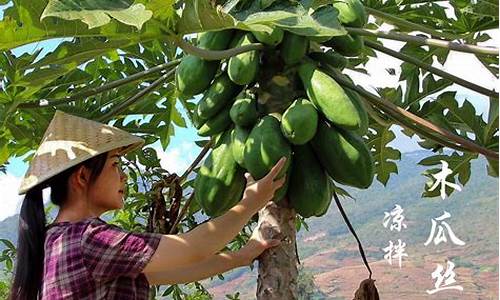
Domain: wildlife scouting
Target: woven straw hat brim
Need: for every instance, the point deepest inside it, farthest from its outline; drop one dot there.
(70, 140)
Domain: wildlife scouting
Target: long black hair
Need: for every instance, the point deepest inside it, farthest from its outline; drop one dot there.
(28, 274)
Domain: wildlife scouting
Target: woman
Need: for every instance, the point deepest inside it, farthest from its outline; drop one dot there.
(80, 256)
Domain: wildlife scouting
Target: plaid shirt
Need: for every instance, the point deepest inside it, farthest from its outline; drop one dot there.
(92, 259)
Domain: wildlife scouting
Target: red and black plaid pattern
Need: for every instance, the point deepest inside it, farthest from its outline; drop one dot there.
(92, 259)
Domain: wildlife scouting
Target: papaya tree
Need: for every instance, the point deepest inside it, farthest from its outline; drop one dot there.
(257, 80)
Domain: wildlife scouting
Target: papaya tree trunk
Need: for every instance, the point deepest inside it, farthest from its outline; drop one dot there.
(278, 266)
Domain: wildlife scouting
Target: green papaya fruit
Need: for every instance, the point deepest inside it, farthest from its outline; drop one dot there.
(197, 121)
(329, 97)
(193, 75)
(216, 124)
(220, 182)
(299, 122)
(215, 40)
(244, 111)
(271, 39)
(351, 12)
(243, 68)
(283, 190)
(323, 209)
(329, 58)
(218, 95)
(356, 100)
(348, 45)
(309, 190)
(264, 146)
(239, 136)
(320, 39)
(293, 48)
(343, 155)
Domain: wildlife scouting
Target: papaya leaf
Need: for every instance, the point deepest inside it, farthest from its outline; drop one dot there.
(98, 13)
(394, 95)
(201, 143)
(163, 10)
(492, 127)
(429, 86)
(463, 118)
(432, 15)
(490, 63)
(322, 22)
(484, 8)
(266, 3)
(21, 25)
(409, 72)
(43, 76)
(459, 164)
(4, 152)
(59, 88)
(340, 191)
(200, 15)
(8, 244)
(177, 118)
(492, 167)
(384, 155)
(436, 192)
(81, 50)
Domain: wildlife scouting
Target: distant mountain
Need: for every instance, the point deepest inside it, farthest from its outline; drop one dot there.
(8, 229)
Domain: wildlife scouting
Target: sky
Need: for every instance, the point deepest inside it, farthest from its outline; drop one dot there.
(182, 150)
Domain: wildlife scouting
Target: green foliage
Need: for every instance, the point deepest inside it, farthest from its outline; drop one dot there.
(192, 291)
(98, 13)
(22, 24)
(7, 255)
(383, 155)
(306, 289)
(4, 290)
(200, 15)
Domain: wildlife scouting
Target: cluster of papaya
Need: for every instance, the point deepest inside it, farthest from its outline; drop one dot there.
(320, 133)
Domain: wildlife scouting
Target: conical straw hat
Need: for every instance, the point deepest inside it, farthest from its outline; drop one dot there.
(70, 140)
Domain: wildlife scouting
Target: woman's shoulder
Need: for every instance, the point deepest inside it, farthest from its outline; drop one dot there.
(81, 223)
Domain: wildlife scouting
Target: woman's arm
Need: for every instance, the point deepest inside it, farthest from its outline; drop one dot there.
(175, 251)
(216, 264)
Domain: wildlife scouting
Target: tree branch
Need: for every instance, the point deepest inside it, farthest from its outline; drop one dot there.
(424, 41)
(396, 111)
(215, 54)
(105, 87)
(432, 69)
(122, 106)
(391, 19)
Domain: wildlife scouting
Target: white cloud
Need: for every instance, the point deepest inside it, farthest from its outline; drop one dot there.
(11, 202)
(177, 159)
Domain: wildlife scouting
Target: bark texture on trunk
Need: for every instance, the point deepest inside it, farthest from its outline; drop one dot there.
(278, 266)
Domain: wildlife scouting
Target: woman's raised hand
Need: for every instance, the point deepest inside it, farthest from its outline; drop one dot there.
(258, 193)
